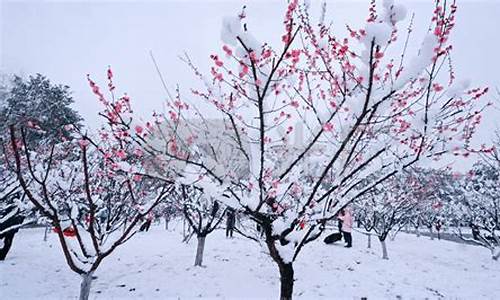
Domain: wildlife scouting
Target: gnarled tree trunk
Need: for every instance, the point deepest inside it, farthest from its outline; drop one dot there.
(85, 286)
(285, 268)
(199, 250)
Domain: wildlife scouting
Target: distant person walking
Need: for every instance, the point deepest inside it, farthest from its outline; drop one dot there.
(346, 228)
(230, 222)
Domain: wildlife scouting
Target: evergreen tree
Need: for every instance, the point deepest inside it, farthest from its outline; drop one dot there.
(38, 102)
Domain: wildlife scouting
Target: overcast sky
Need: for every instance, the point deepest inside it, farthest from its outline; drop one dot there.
(66, 40)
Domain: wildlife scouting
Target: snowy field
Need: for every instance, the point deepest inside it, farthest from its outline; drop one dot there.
(156, 265)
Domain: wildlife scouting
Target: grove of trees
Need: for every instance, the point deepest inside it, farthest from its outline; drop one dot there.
(296, 133)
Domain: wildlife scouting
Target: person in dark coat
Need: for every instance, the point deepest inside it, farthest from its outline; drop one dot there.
(475, 231)
(336, 236)
(230, 222)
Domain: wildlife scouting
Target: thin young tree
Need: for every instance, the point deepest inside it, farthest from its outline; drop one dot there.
(202, 212)
(388, 207)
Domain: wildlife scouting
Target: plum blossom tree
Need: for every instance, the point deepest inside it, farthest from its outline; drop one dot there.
(439, 192)
(480, 207)
(168, 210)
(388, 207)
(202, 212)
(196, 195)
(91, 190)
(357, 110)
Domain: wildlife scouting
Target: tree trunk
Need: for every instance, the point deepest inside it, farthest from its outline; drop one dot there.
(495, 253)
(417, 232)
(431, 232)
(369, 241)
(7, 243)
(167, 219)
(184, 227)
(286, 281)
(285, 268)
(46, 232)
(85, 286)
(384, 249)
(199, 250)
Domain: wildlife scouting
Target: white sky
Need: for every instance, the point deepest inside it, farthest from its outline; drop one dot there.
(65, 40)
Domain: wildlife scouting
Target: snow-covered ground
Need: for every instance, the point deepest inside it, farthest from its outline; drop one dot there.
(156, 265)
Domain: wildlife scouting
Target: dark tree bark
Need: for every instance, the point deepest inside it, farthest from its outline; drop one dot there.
(286, 281)
(199, 250)
(7, 243)
(14, 222)
(285, 268)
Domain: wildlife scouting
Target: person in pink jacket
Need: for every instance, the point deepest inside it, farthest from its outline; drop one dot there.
(345, 216)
